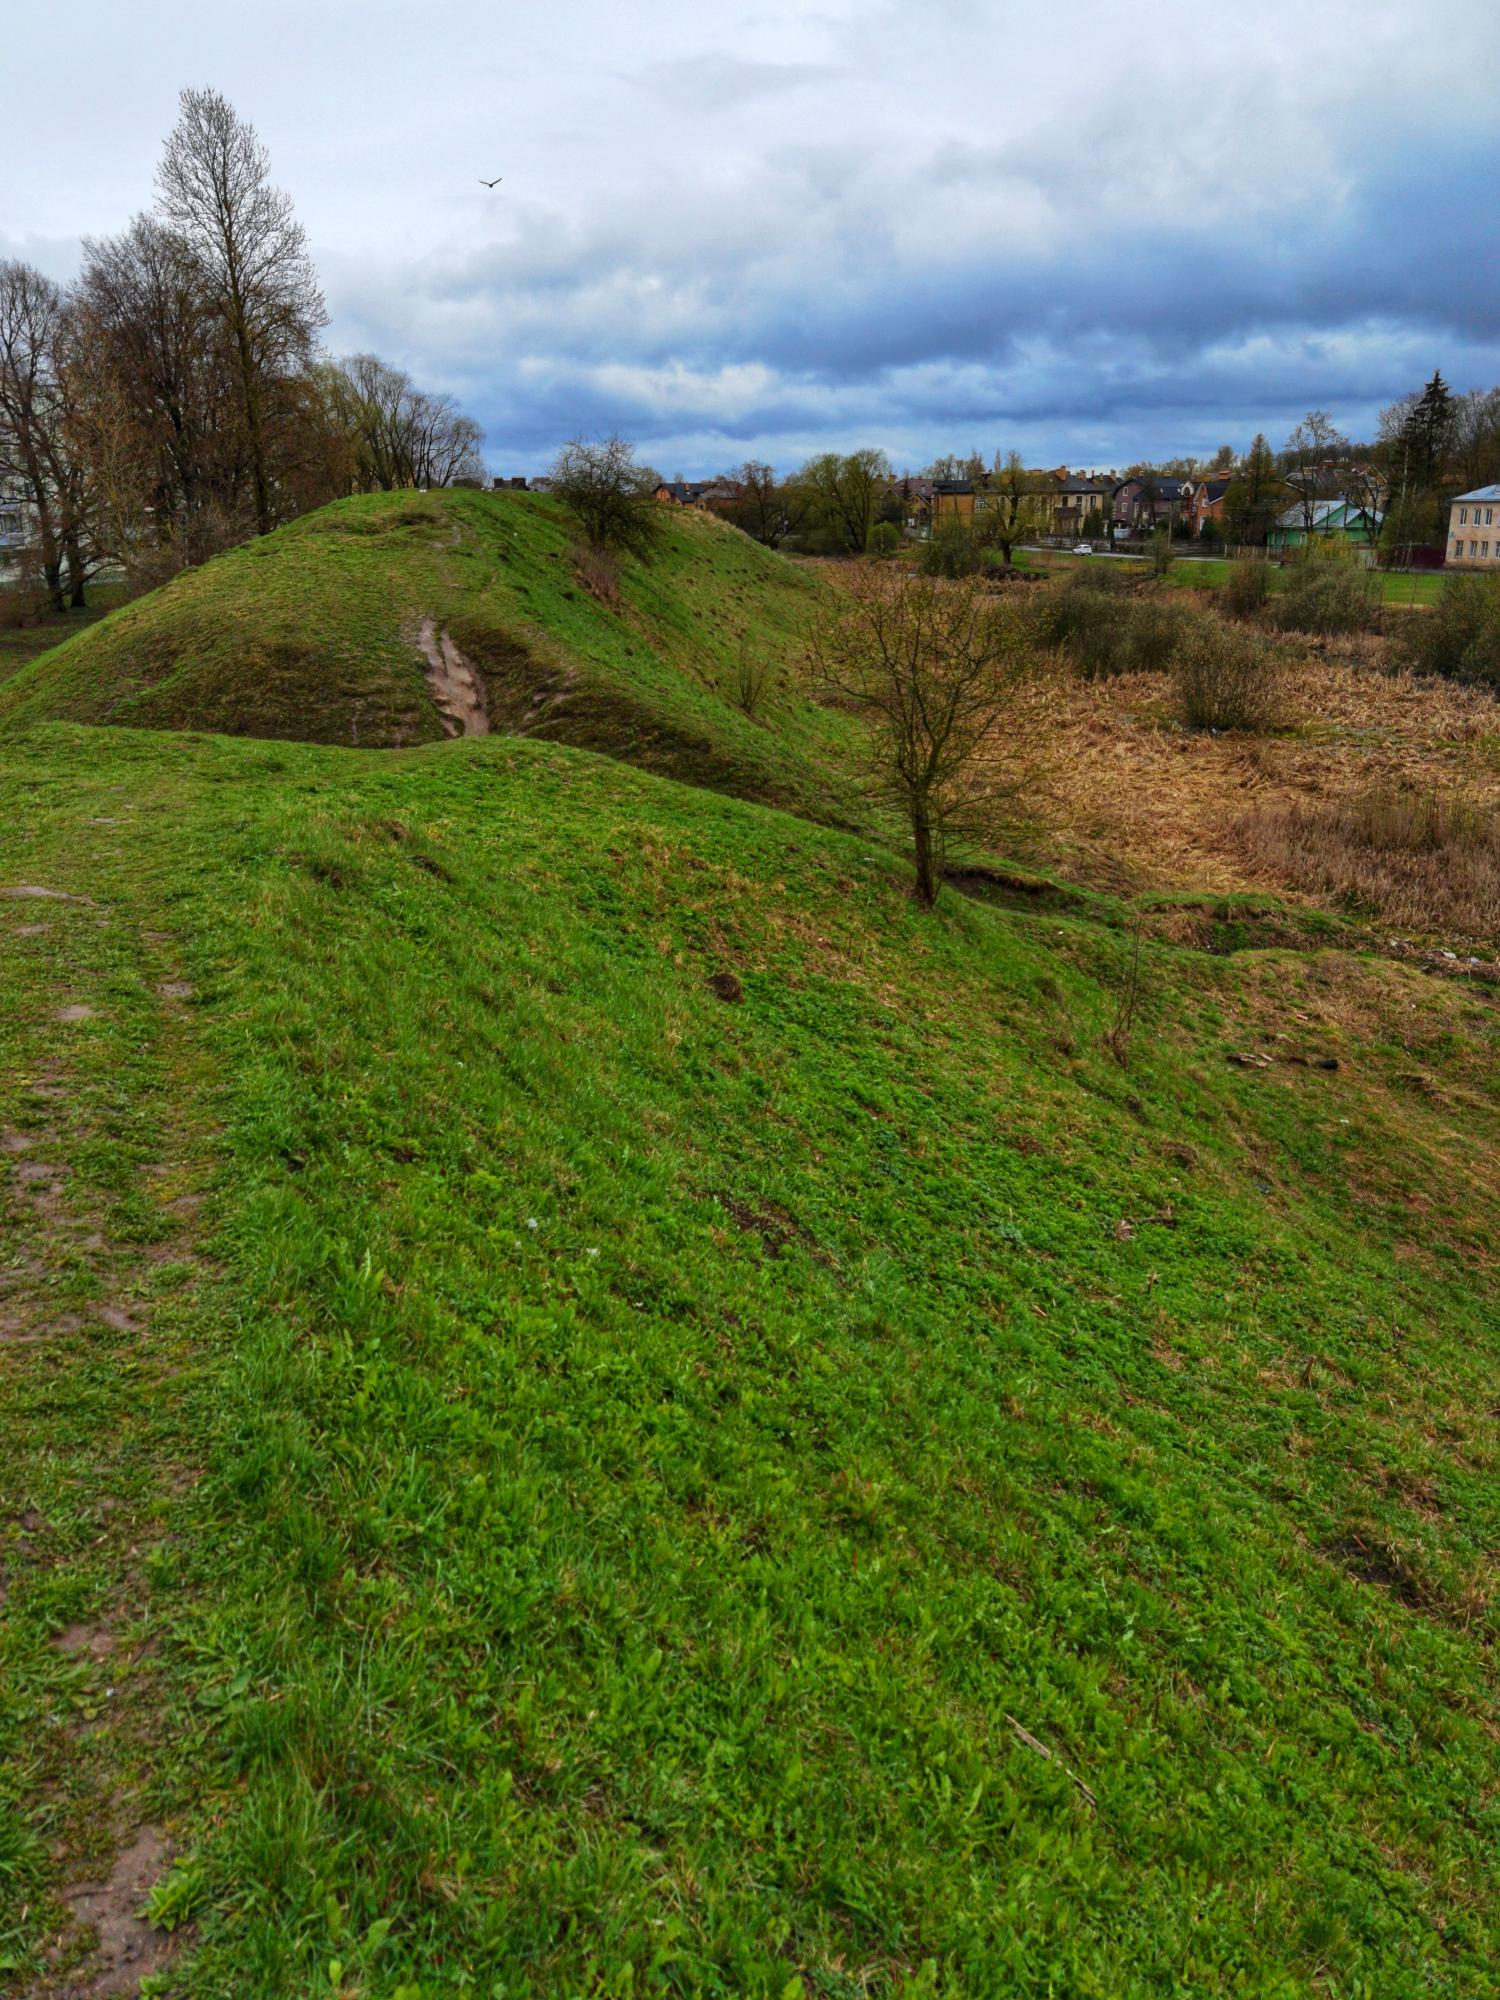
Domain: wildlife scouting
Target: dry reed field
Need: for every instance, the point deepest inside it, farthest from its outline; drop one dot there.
(1383, 793)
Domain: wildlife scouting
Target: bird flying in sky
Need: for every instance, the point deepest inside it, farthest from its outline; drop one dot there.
(491, 184)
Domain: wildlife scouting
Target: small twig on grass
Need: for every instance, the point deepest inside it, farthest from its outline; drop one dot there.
(1052, 1758)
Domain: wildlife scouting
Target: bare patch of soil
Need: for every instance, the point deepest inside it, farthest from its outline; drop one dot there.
(76, 1012)
(126, 1947)
(456, 687)
(94, 1641)
(29, 892)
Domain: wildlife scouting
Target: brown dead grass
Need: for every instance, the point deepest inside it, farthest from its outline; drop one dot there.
(1126, 801)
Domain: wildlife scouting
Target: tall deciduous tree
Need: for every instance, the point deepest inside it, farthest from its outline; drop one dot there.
(155, 407)
(34, 445)
(1312, 450)
(214, 189)
(759, 507)
(1010, 509)
(845, 489)
(1476, 438)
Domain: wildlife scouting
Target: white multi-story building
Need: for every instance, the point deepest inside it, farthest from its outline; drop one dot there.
(16, 524)
(1474, 529)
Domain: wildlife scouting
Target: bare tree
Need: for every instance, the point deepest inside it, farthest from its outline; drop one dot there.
(1313, 448)
(1476, 437)
(155, 403)
(399, 435)
(610, 495)
(33, 427)
(935, 669)
(214, 189)
(759, 507)
(1009, 509)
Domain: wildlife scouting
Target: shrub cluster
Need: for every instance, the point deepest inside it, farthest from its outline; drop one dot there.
(1247, 586)
(1328, 594)
(1108, 629)
(1227, 677)
(952, 551)
(1460, 637)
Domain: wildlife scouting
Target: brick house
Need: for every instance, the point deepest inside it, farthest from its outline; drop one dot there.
(1148, 501)
(1207, 503)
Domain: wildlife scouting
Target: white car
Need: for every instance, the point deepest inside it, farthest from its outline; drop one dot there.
(1083, 548)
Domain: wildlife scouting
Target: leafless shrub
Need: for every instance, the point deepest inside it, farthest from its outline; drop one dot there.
(1419, 858)
(1121, 1030)
(1226, 677)
(752, 677)
(598, 570)
(938, 670)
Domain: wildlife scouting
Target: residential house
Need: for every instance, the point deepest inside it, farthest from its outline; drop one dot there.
(1076, 498)
(912, 493)
(1334, 518)
(715, 494)
(962, 499)
(1474, 529)
(1207, 502)
(1148, 501)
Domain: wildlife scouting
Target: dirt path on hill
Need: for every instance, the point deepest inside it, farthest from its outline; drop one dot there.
(100, 1187)
(456, 687)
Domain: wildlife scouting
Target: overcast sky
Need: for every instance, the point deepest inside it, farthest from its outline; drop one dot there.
(1096, 232)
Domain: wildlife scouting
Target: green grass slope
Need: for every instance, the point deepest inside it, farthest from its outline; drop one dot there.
(313, 634)
(617, 1490)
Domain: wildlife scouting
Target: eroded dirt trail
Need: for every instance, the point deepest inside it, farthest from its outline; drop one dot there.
(455, 684)
(99, 1263)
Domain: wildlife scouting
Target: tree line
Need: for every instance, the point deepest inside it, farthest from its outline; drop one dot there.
(174, 400)
(1429, 445)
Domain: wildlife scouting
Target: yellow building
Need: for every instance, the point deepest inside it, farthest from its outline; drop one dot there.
(1474, 530)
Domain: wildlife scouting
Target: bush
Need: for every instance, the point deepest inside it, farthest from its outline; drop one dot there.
(1160, 552)
(1108, 630)
(612, 498)
(752, 677)
(1328, 593)
(1226, 677)
(951, 552)
(1460, 637)
(598, 570)
(1153, 631)
(1246, 587)
(884, 540)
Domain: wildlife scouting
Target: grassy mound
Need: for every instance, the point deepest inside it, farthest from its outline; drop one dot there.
(728, 1446)
(315, 634)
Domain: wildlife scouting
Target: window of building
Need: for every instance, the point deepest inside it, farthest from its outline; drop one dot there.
(1489, 517)
(1473, 550)
(1463, 517)
(1484, 550)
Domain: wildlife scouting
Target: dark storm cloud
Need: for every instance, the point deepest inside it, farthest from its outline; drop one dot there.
(772, 228)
